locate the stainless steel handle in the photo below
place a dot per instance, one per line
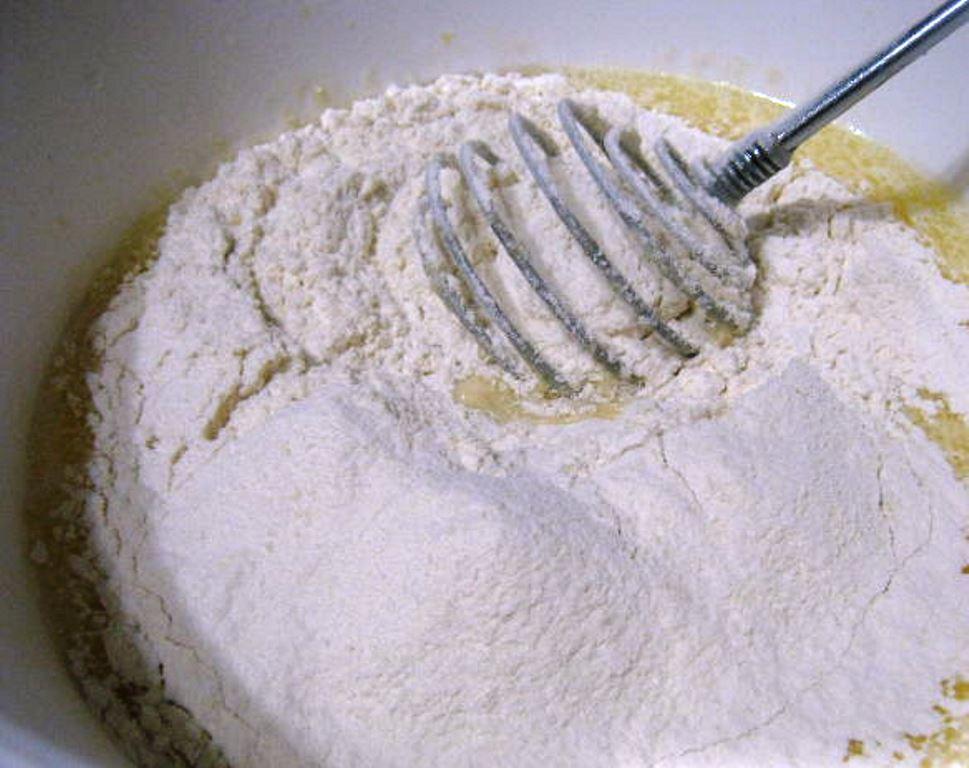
(763, 153)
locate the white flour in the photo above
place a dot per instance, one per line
(336, 564)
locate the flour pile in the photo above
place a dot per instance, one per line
(332, 562)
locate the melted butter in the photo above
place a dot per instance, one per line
(948, 745)
(957, 688)
(60, 434)
(855, 748)
(503, 404)
(945, 427)
(76, 606)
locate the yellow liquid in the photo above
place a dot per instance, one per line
(503, 404)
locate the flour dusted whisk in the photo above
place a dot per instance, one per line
(681, 214)
(664, 211)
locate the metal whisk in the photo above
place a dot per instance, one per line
(681, 214)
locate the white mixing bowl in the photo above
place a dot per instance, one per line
(107, 104)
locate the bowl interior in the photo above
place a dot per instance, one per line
(109, 107)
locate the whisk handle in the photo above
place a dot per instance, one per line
(760, 155)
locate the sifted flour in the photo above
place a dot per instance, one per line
(329, 561)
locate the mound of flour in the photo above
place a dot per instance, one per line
(332, 562)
